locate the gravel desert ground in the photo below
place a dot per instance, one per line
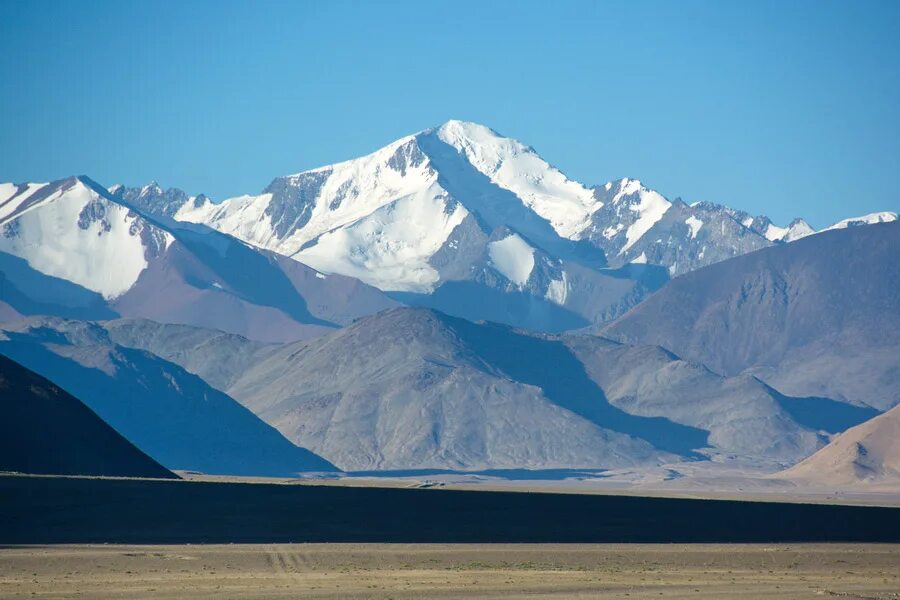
(381, 571)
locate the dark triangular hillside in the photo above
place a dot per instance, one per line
(46, 430)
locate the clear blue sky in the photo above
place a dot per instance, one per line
(783, 108)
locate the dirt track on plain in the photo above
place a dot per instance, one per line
(380, 571)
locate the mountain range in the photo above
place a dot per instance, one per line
(818, 317)
(464, 220)
(445, 393)
(452, 302)
(69, 248)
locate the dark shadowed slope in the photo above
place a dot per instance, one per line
(170, 414)
(46, 430)
(819, 317)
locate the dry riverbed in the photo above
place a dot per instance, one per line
(380, 571)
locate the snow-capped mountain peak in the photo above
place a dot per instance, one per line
(872, 218)
(513, 166)
(389, 217)
(381, 217)
(70, 229)
(626, 211)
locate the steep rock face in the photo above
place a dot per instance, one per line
(170, 414)
(48, 431)
(637, 225)
(817, 317)
(72, 249)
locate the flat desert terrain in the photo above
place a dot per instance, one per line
(380, 571)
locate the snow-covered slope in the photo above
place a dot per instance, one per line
(383, 216)
(390, 217)
(458, 218)
(511, 165)
(879, 217)
(70, 248)
(68, 230)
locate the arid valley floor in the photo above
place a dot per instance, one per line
(380, 571)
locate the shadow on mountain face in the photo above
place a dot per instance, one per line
(476, 302)
(165, 411)
(31, 292)
(497, 206)
(652, 277)
(46, 430)
(550, 365)
(823, 414)
(247, 273)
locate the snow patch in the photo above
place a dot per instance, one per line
(627, 187)
(349, 191)
(7, 191)
(390, 248)
(775, 233)
(610, 232)
(513, 257)
(11, 203)
(650, 208)
(558, 290)
(695, 224)
(641, 260)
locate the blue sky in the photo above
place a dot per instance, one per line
(783, 108)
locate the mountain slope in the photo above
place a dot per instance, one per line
(218, 358)
(400, 390)
(441, 392)
(46, 430)
(869, 452)
(69, 248)
(816, 317)
(168, 413)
